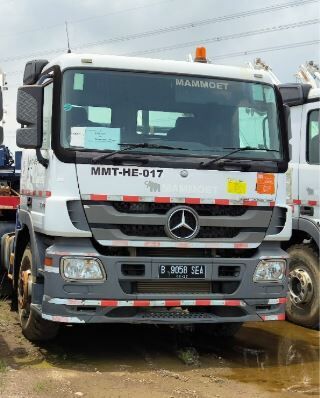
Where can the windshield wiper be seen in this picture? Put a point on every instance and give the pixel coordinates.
(235, 150)
(129, 146)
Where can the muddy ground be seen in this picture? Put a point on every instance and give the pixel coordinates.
(275, 359)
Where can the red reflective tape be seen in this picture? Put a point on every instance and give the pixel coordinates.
(222, 201)
(250, 203)
(241, 245)
(203, 302)
(127, 198)
(48, 194)
(282, 300)
(272, 204)
(141, 303)
(182, 244)
(296, 201)
(98, 197)
(312, 202)
(192, 201)
(151, 244)
(162, 199)
(282, 317)
(233, 303)
(172, 303)
(109, 303)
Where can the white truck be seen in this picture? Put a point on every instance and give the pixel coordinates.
(303, 192)
(152, 191)
(2, 83)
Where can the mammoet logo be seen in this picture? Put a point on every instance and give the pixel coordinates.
(202, 84)
(153, 186)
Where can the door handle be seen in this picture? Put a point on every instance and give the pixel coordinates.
(306, 210)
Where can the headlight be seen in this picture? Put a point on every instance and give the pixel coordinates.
(80, 268)
(270, 271)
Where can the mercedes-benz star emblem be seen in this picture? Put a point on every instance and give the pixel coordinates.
(183, 223)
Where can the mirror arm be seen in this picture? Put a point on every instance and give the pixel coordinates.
(41, 159)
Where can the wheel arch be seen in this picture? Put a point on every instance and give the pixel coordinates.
(303, 229)
(24, 235)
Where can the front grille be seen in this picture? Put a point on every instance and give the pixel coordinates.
(133, 269)
(163, 208)
(218, 232)
(172, 287)
(176, 315)
(116, 221)
(278, 220)
(179, 287)
(229, 271)
(185, 313)
(173, 252)
(158, 231)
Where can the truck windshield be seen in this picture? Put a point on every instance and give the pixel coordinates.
(102, 109)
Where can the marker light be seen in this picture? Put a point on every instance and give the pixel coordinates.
(82, 268)
(201, 55)
(270, 271)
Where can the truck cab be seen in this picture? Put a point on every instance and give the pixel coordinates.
(303, 190)
(152, 191)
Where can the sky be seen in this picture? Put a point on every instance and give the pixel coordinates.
(284, 33)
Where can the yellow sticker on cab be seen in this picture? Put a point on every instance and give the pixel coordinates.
(237, 187)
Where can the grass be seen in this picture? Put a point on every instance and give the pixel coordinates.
(40, 386)
(3, 366)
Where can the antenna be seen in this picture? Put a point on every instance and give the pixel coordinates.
(68, 41)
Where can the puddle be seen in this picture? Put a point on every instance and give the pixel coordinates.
(278, 356)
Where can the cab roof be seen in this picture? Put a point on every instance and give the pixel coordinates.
(74, 60)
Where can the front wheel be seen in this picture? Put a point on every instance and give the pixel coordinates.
(303, 304)
(33, 326)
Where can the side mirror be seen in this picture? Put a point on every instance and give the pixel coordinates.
(1, 135)
(29, 115)
(32, 71)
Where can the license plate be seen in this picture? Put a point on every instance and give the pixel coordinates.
(182, 271)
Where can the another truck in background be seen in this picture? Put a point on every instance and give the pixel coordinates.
(9, 191)
(303, 193)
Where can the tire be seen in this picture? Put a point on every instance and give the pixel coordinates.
(33, 326)
(303, 301)
(227, 329)
(5, 283)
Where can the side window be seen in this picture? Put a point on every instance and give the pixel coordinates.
(253, 128)
(156, 122)
(47, 116)
(313, 141)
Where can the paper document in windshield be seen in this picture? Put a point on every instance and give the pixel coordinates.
(99, 138)
(102, 138)
(77, 136)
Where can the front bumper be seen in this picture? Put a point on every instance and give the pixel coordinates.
(108, 302)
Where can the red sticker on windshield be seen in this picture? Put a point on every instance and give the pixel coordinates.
(265, 183)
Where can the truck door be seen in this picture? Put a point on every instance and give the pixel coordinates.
(309, 179)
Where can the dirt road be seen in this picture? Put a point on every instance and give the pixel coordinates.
(263, 360)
